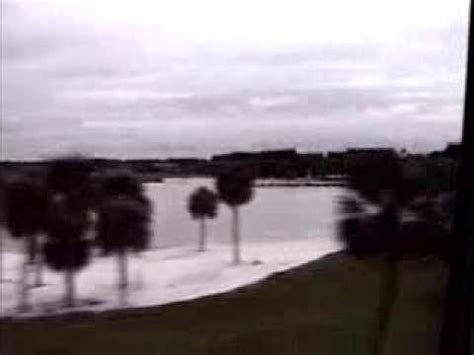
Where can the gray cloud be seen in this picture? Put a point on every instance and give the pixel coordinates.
(70, 85)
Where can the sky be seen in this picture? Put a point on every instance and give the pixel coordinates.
(157, 79)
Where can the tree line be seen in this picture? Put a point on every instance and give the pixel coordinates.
(396, 208)
(62, 215)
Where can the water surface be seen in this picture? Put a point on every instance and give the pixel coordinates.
(274, 214)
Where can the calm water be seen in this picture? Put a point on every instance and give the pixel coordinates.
(274, 214)
(281, 213)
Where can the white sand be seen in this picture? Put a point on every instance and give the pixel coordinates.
(160, 276)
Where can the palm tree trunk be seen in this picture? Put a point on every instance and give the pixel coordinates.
(39, 281)
(390, 277)
(23, 302)
(1, 257)
(236, 235)
(388, 293)
(123, 276)
(38, 260)
(123, 270)
(69, 298)
(202, 235)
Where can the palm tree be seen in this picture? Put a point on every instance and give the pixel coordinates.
(66, 249)
(123, 221)
(202, 204)
(235, 189)
(71, 177)
(121, 183)
(390, 186)
(26, 204)
(69, 182)
(123, 225)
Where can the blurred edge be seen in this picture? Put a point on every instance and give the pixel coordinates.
(457, 324)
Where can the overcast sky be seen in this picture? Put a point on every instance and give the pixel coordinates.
(165, 78)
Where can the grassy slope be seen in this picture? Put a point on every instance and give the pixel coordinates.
(324, 307)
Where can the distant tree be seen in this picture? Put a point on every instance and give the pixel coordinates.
(26, 205)
(202, 204)
(123, 225)
(235, 189)
(72, 198)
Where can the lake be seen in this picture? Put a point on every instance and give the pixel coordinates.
(274, 214)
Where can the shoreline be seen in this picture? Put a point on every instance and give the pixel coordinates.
(130, 312)
(163, 276)
(324, 306)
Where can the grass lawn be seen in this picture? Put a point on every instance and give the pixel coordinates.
(324, 307)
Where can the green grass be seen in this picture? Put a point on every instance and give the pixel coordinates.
(325, 307)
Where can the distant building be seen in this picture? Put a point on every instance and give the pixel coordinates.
(287, 154)
(355, 156)
(271, 163)
(334, 163)
(452, 151)
(371, 151)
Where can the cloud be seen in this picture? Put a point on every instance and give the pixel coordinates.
(131, 95)
(150, 80)
(272, 102)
